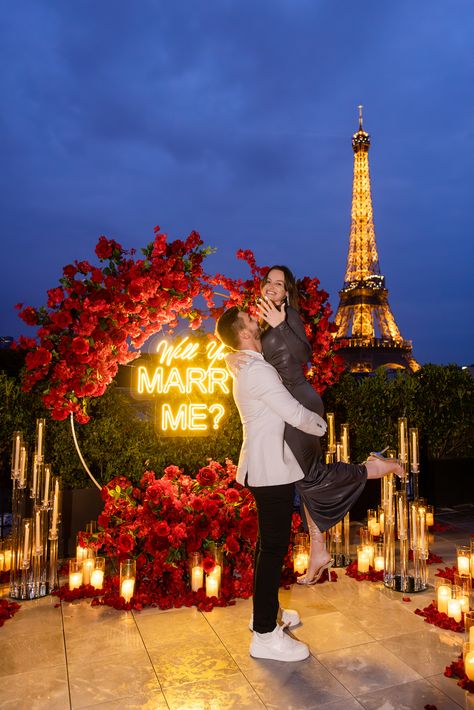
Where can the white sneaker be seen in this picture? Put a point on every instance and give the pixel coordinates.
(277, 646)
(289, 617)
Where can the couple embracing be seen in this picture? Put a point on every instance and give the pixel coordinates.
(282, 423)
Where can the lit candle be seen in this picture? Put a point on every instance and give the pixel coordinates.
(471, 634)
(97, 578)
(212, 587)
(34, 483)
(126, 591)
(54, 522)
(331, 432)
(401, 519)
(47, 475)
(39, 439)
(463, 564)
(75, 580)
(7, 562)
(300, 563)
(378, 563)
(382, 521)
(345, 442)
(375, 529)
(362, 561)
(414, 448)
(16, 455)
(217, 573)
(429, 518)
(81, 553)
(464, 601)
(469, 664)
(26, 544)
(2, 561)
(402, 439)
(472, 564)
(370, 549)
(454, 609)
(197, 578)
(22, 476)
(444, 594)
(87, 567)
(38, 545)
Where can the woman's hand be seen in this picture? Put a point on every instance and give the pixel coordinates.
(235, 361)
(269, 312)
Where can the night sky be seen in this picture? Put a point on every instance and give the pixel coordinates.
(235, 119)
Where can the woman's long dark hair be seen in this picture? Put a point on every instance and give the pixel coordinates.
(290, 285)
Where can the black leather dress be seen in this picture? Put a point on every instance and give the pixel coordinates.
(328, 490)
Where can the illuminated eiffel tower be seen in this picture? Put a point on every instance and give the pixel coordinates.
(367, 332)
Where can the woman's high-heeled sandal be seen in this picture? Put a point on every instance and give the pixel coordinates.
(317, 575)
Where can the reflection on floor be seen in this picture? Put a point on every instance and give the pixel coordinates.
(369, 650)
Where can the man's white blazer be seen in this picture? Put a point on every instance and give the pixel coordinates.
(264, 406)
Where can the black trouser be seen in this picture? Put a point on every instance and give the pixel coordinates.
(274, 510)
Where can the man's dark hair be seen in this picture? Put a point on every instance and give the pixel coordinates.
(228, 327)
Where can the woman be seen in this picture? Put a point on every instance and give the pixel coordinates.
(327, 491)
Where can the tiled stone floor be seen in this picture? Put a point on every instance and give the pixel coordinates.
(369, 650)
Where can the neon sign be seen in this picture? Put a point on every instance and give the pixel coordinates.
(188, 382)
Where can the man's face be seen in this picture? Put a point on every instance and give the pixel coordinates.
(251, 326)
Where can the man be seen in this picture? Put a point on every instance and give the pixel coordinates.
(269, 469)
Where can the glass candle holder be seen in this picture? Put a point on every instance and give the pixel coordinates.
(379, 557)
(429, 516)
(301, 539)
(373, 524)
(196, 571)
(468, 658)
(7, 554)
(443, 594)
(464, 558)
(454, 604)
(81, 552)
(364, 536)
(217, 553)
(300, 559)
(128, 575)
(212, 585)
(75, 574)
(469, 625)
(88, 565)
(98, 573)
(363, 559)
(463, 582)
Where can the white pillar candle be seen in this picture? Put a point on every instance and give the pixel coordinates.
(469, 664)
(39, 443)
(16, 456)
(26, 545)
(81, 553)
(429, 519)
(362, 561)
(464, 601)
(463, 564)
(444, 594)
(22, 477)
(87, 568)
(197, 578)
(126, 591)
(38, 544)
(2, 561)
(75, 580)
(47, 476)
(97, 578)
(212, 586)
(54, 522)
(7, 562)
(378, 563)
(454, 609)
(300, 563)
(414, 448)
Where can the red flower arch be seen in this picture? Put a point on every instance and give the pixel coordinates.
(99, 317)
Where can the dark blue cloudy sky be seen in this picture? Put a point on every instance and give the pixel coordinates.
(234, 118)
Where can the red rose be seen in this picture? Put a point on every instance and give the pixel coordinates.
(38, 358)
(104, 248)
(80, 346)
(29, 316)
(55, 297)
(206, 476)
(208, 564)
(232, 495)
(231, 544)
(126, 543)
(162, 528)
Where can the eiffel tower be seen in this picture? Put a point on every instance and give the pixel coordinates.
(366, 329)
